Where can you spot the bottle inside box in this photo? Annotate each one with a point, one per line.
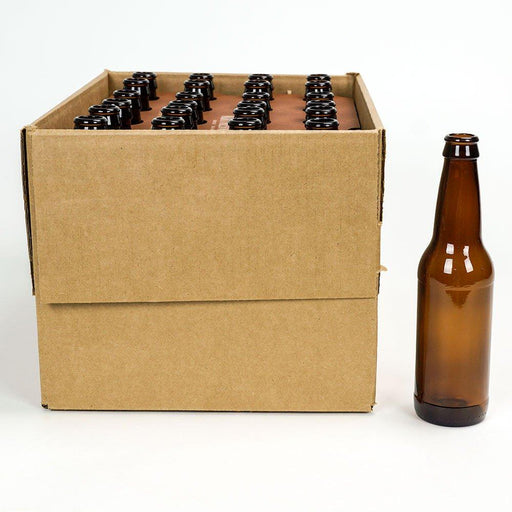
(287, 113)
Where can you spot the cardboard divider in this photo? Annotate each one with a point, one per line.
(287, 113)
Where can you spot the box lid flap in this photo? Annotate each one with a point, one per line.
(194, 216)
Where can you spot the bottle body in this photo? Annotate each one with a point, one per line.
(455, 285)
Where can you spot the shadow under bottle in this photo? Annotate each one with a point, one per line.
(455, 281)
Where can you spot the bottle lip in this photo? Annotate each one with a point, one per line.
(179, 102)
(245, 122)
(461, 145)
(327, 95)
(136, 81)
(318, 76)
(257, 83)
(256, 95)
(462, 138)
(127, 93)
(91, 120)
(104, 109)
(318, 83)
(321, 109)
(167, 121)
(149, 75)
(201, 76)
(176, 109)
(117, 101)
(196, 83)
(261, 76)
(246, 111)
(189, 94)
(321, 123)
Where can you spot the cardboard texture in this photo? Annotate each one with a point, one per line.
(209, 269)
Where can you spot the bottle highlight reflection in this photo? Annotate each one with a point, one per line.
(455, 280)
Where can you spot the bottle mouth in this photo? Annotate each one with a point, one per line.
(461, 145)
(462, 138)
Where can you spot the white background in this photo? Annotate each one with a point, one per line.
(432, 68)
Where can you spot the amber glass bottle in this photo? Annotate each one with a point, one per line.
(244, 123)
(455, 280)
(209, 78)
(151, 77)
(320, 110)
(91, 122)
(125, 111)
(167, 123)
(112, 113)
(141, 85)
(182, 111)
(252, 111)
(321, 123)
(202, 86)
(198, 98)
(134, 98)
(264, 76)
(252, 102)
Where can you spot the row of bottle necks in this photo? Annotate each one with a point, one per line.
(186, 111)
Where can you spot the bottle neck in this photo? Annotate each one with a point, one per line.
(457, 218)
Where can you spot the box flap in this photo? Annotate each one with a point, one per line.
(26, 201)
(192, 216)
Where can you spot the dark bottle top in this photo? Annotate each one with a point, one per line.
(321, 111)
(134, 98)
(244, 123)
(264, 76)
(205, 76)
(255, 102)
(321, 123)
(198, 98)
(141, 85)
(320, 96)
(151, 77)
(317, 86)
(90, 123)
(252, 111)
(167, 123)
(187, 103)
(125, 111)
(258, 96)
(186, 113)
(202, 86)
(258, 86)
(322, 77)
(455, 285)
(112, 113)
(315, 103)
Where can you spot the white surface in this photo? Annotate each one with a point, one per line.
(433, 69)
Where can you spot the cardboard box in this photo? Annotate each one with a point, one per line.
(209, 269)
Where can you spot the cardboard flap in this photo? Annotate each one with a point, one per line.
(26, 201)
(135, 217)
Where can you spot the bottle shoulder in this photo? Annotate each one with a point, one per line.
(457, 264)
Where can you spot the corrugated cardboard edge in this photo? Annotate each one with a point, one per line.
(371, 113)
(377, 124)
(26, 201)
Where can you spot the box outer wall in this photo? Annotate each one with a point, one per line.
(273, 380)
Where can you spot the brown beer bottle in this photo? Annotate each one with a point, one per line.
(455, 280)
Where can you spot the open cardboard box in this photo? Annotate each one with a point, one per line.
(205, 270)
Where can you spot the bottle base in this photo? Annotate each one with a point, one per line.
(450, 416)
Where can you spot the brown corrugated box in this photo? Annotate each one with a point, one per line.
(209, 269)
